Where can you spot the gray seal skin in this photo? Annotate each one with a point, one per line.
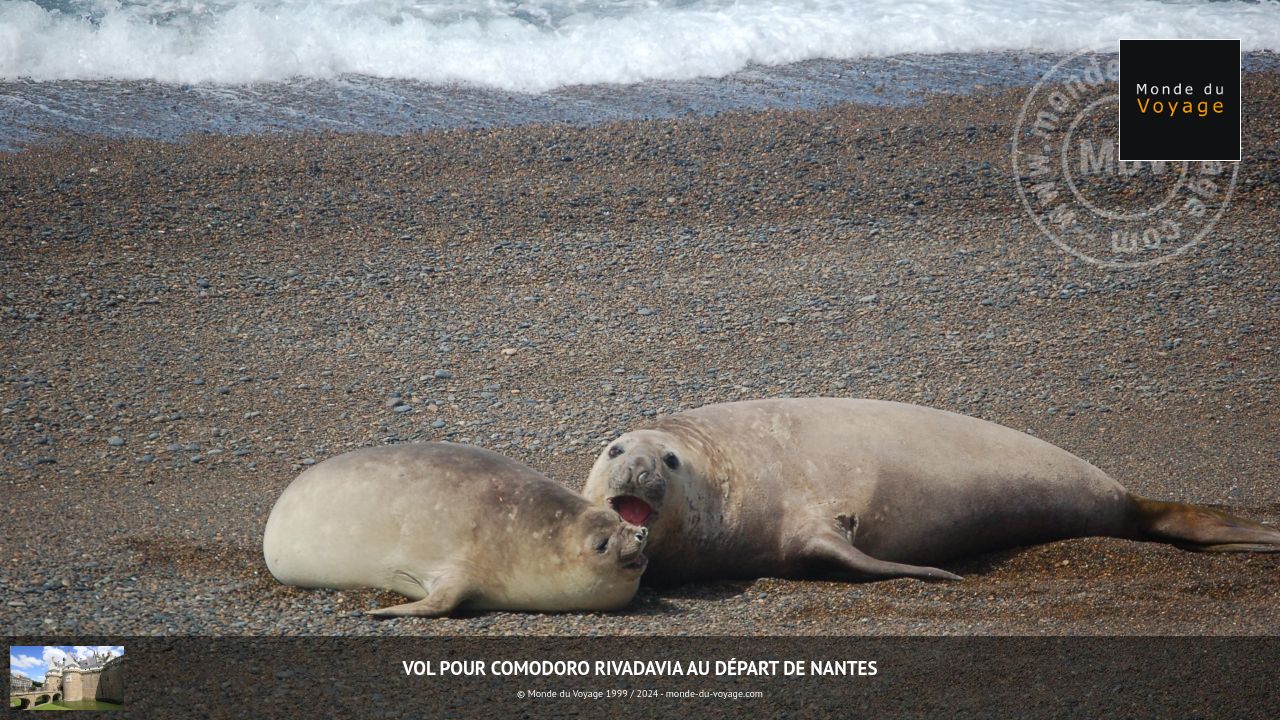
(868, 489)
(448, 526)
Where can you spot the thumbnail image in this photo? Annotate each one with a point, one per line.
(66, 677)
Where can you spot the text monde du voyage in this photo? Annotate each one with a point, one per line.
(1176, 100)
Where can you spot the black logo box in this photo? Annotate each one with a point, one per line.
(1157, 80)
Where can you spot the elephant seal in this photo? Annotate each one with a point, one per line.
(448, 526)
(869, 489)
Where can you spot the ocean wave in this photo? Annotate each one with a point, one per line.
(543, 44)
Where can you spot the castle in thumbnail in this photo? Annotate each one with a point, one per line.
(99, 676)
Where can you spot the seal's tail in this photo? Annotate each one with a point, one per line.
(1201, 529)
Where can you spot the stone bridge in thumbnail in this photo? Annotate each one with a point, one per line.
(29, 698)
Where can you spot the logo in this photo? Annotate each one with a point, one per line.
(1180, 100)
(1091, 204)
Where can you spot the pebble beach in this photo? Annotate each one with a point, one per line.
(188, 325)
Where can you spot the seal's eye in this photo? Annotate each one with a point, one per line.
(671, 460)
(602, 545)
(615, 451)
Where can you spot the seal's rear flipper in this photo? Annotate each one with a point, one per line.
(1199, 529)
(831, 548)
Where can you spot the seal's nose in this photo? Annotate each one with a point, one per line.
(639, 470)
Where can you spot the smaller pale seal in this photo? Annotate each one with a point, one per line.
(451, 526)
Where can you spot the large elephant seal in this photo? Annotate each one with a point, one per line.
(451, 525)
(868, 489)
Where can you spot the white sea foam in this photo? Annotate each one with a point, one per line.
(542, 44)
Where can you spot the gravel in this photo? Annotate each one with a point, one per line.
(855, 251)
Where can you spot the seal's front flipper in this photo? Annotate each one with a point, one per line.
(444, 597)
(1202, 529)
(831, 548)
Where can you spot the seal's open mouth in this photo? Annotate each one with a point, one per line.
(632, 509)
